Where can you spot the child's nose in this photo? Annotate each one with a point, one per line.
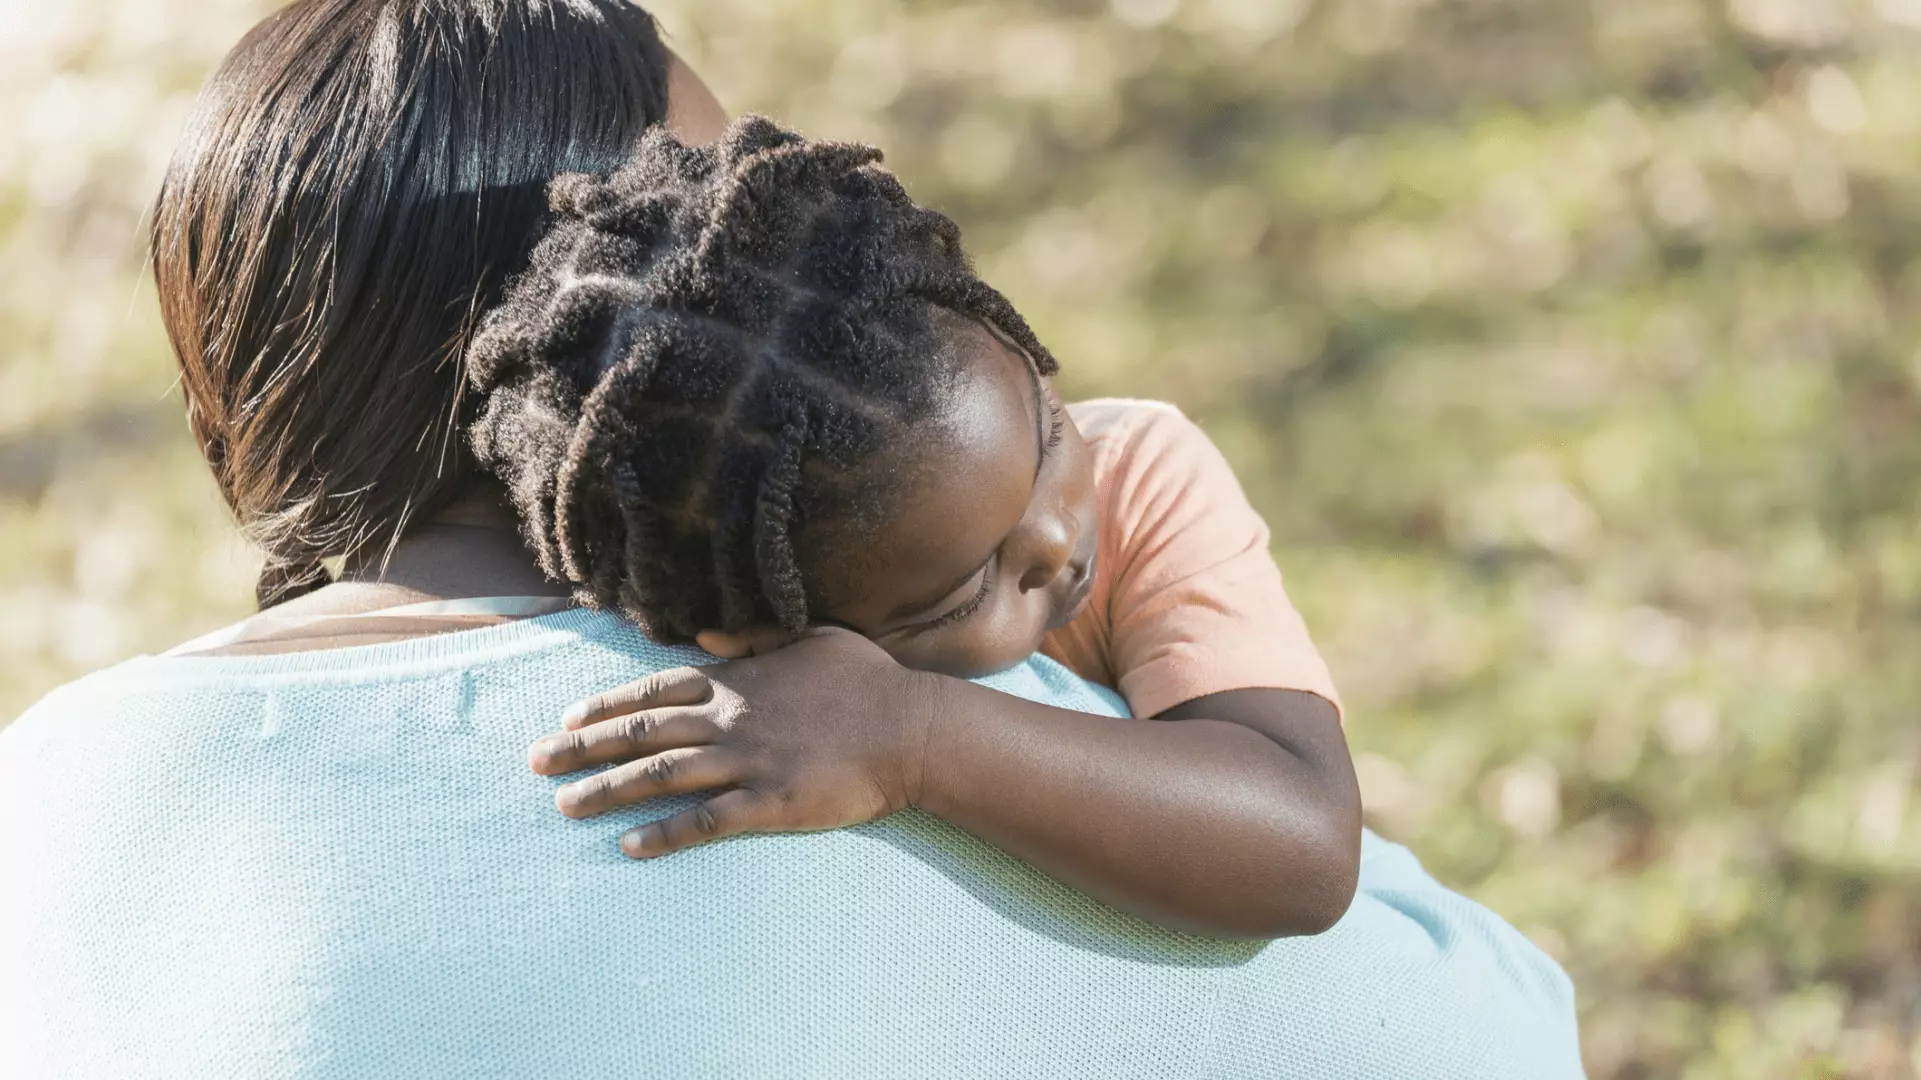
(1049, 548)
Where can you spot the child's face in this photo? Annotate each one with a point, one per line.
(993, 541)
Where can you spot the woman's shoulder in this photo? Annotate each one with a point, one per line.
(139, 702)
(175, 696)
(81, 696)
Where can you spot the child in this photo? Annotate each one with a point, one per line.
(752, 396)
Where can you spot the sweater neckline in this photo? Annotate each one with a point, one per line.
(452, 649)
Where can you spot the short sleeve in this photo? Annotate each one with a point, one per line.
(1194, 601)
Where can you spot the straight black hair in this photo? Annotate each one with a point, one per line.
(356, 182)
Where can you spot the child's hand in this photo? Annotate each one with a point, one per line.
(826, 732)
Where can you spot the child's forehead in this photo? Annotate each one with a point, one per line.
(978, 339)
(991, 400)
(965, 487)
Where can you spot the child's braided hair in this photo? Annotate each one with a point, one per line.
(707, 355)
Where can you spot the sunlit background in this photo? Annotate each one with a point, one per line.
(1573, 351)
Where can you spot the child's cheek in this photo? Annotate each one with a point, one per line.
(961, 656)
(927, 654)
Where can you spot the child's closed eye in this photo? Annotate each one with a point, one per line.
(969, 606)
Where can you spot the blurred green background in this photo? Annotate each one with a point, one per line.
(1572, 350)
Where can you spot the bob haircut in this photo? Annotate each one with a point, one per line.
(356, 183)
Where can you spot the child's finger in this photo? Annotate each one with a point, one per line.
(675, 686)
(671, 772)
(623, 738)
(726, 646)
(744, 643)
(726, 814)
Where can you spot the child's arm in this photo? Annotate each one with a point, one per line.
(1236, 814)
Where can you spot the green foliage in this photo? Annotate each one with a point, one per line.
(1572, 350)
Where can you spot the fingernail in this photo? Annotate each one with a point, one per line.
(542, 752)
(630, 843)
(574, 715)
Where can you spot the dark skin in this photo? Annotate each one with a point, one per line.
(1235, 814)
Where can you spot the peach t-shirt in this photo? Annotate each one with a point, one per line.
(1187, 601)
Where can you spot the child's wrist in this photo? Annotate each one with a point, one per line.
(926, 700)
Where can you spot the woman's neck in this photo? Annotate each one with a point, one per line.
(473, 548)
(448, 560)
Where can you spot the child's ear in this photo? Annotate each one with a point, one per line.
(743, 643)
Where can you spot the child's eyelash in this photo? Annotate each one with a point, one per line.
(972, 605)
(1056, 420)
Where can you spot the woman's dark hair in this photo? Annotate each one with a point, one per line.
(355, 184)
(715, 350)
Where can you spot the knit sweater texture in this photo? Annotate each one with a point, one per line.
(338, 865)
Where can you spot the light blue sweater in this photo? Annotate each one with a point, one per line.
(337, 865)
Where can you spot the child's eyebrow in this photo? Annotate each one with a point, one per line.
(1040, 408)
(1034, 381)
